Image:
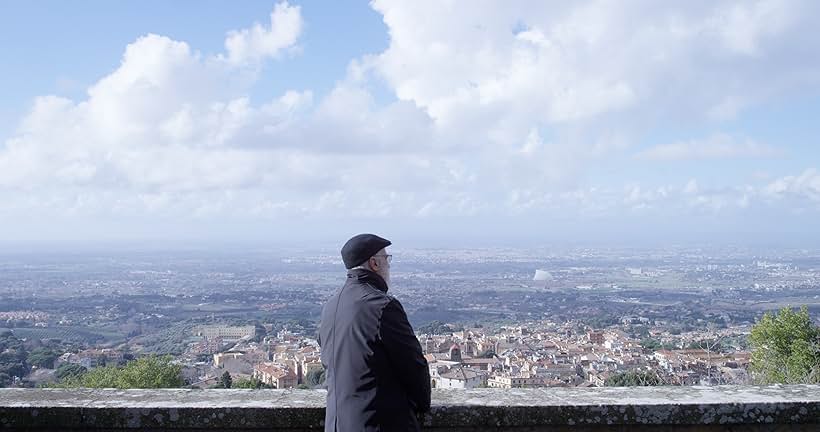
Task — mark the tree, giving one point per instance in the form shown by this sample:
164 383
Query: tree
786 348
142 373
315 377
67 370
42 357
12 357
634 378
5 379
435 327
249 383
710 345
225 381
651 344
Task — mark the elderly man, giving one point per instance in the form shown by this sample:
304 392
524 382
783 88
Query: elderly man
377 377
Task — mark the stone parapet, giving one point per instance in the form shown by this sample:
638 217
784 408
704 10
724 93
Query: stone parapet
791 408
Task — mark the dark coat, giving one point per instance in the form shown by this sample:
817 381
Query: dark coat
377 378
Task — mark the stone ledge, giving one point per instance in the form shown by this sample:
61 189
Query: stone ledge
595 409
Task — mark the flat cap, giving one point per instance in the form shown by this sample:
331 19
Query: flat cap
361 247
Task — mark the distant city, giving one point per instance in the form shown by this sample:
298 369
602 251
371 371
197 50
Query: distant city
484 317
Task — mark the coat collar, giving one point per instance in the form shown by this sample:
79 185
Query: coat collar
368 277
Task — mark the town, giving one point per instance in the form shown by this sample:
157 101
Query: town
503 318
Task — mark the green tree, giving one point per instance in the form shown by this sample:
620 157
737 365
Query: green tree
786 348
142 373
12 356
5 379
249 383
67 370
42 357
435 327
225 381
651 344
634 378
315 377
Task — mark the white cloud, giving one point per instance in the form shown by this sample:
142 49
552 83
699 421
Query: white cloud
167 118
745 27
718 146
561 62
500 108
257 43
803 186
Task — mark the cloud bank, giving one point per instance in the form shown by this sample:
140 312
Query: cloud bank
497 110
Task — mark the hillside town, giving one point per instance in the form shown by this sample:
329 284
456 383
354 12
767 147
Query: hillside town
542 354
487 317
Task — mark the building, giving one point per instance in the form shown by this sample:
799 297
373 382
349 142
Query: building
207 346
235 362
486 364
91 358
227 333
470 348
455 353
222 358
275 375
309 364
515 382
598 379
461 378
596 337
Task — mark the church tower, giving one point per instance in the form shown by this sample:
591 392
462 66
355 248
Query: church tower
455 353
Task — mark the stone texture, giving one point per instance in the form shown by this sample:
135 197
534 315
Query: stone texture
555 409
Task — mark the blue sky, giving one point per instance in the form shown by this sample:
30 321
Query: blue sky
456 122
84 43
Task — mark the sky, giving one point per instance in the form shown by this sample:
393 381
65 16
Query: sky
431 123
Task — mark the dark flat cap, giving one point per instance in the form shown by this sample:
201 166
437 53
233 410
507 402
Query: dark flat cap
361 247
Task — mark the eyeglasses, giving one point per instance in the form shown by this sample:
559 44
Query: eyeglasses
388 257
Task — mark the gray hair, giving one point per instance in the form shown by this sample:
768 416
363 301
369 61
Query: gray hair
363 266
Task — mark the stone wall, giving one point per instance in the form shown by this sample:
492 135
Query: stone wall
792 408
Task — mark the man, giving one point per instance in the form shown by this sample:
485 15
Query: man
377 377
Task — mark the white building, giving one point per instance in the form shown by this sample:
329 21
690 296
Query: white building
518 381
461 378
232 333
234 362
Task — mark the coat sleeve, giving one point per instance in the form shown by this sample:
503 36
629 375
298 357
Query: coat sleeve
405 355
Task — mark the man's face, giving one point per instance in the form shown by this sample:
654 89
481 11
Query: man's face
380 263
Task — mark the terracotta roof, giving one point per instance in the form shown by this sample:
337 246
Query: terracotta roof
273 369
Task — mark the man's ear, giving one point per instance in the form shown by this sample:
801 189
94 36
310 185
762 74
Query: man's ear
374 263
